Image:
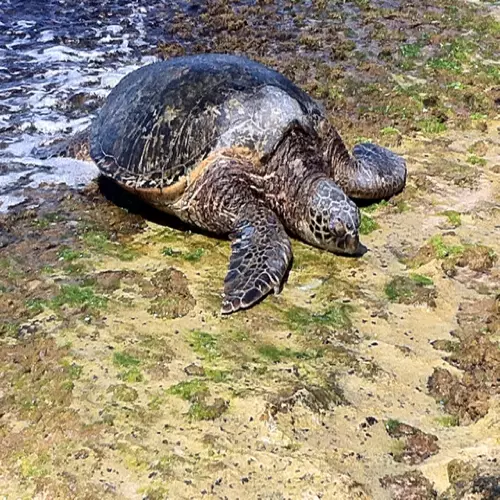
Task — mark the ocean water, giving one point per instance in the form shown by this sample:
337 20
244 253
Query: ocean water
58 60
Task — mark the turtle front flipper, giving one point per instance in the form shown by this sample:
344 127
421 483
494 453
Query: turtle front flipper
220 200
261 255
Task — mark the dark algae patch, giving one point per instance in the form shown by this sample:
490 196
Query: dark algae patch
413 445
454 255
477 355
470 479
411 485
172 296
277 354
377 66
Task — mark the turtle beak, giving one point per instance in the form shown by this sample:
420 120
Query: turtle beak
354 247
349 244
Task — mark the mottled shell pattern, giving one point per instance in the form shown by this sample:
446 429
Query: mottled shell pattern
161 121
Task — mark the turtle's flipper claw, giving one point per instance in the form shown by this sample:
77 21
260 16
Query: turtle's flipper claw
261 255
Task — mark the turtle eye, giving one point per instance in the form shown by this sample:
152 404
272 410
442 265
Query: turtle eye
337 227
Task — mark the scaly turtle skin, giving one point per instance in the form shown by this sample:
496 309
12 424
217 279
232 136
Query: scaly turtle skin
233 147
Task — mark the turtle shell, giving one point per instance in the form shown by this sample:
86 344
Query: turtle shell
161 121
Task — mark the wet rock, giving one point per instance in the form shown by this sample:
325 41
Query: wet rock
81 454
485 313
456 398
460 174
478 258
416 447
124 393
109 281
480 148
201 410
28 330
445 345
412 485
194 370
299 39
5 238
468 480
430 101
173 298
478 356
316 398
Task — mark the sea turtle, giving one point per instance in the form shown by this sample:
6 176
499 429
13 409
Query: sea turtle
235 148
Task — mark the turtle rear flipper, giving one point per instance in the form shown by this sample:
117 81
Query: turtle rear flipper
261 255
76 146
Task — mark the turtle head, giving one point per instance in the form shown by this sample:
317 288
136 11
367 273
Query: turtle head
331 220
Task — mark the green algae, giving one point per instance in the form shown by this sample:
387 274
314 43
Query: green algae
158 490
367 225
476 160
99 242
68 254
170 252
392 425
34 465
190 390
474 256
131 372
132 375
397 449
420 279
448 421
375 207
81 296
454 218
123 393
47 219
73 370
337 315
413 289
217 376
125 360
205 344
194 255
203 411
36 306
277 354
196 392
444 250
410 50
431 126
191 256
75 295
